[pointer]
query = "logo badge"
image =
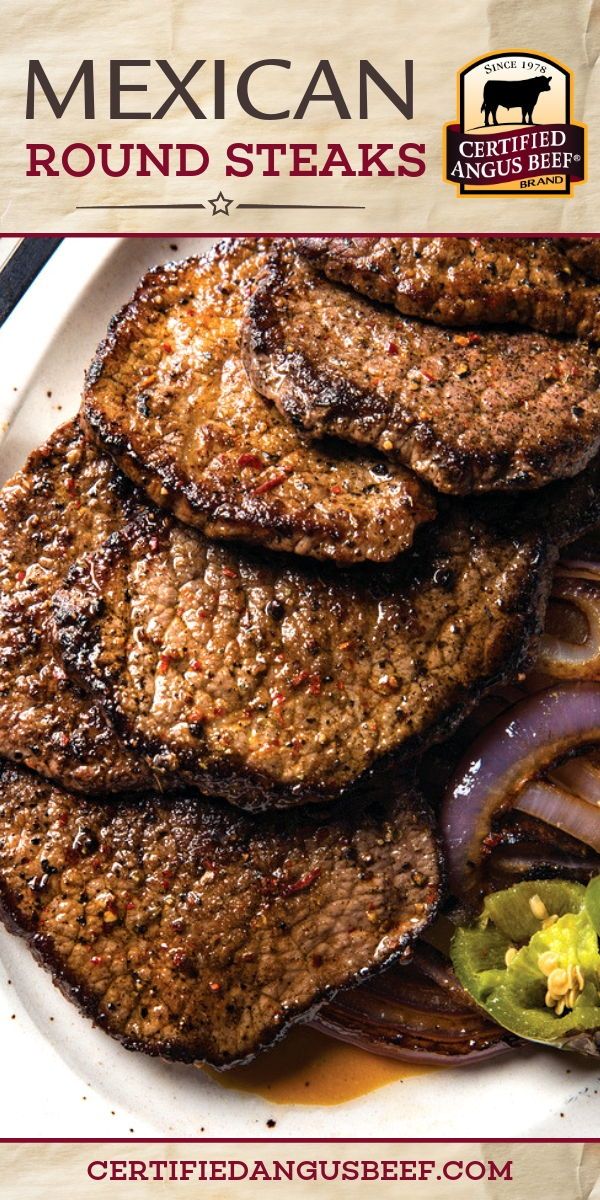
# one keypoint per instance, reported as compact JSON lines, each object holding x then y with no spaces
{"x":514,"y":134}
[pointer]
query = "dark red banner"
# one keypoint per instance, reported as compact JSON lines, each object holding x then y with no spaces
{"x":494,"y":157}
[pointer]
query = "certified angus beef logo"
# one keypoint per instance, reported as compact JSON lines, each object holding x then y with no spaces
{"x":514,"y":134}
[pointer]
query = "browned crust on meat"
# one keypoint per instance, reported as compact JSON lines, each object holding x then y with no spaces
{"x":472,"y":412}
{"x":189,"y":931}
{"x":584,"y":253}
{"x":467,"y":280}
{"x":308,"y":683}
{"x":63,"y":503}
{"x":167,"y":396}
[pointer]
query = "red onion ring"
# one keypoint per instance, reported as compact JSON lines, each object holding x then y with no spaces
{"x":511,"y":865}
{"x":566,"y":659}
{"x":532,"y":735}
{"x":415,"y":1013}
{"x":583,"y":568}
{"x":569,"y":813}
{"x":580,"y":776}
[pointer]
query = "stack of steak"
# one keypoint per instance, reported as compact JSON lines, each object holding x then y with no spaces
{"x":257,"y":576}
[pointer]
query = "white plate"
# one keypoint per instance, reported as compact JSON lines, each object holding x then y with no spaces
{"x":69,"y":1079}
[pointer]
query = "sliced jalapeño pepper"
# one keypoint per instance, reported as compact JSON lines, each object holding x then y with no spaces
{"x":532,"y":961}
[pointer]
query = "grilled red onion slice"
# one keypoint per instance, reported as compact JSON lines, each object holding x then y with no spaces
{"x":562,"y":657}
{"x":528,"y":738}
{"x":583,"y":568}
{"x":566,"y":812}
{"x":510,"y":865}
{"x":580,"y":776}
{"x":582,"y":557}
{"x":416,"y":1013}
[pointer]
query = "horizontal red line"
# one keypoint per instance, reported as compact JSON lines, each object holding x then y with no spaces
{"x":297,"y":233}
{"x":366,"y":1141}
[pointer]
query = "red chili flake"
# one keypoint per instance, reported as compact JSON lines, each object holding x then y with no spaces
{"x":336,"y":490}
{"x":96,"y":959}
{"x":70,"y":484}
{"x":250,"y":460}
{"x":166,"y":879}
{"x":269,"y":484}
{"x":492,"y":840}
{"x":63,"y":818}
{"x":197,"y":716}
{"x":392,"y":348}
{"x":130,"y":905}
{"x":219,"y":709}
{"x":229,"y":574}
{"x":278,"y":699}
{"x":474,"y":338}
{"x":179,"y":957}
{"x":20,"y":576}
{"x":303,"y":882}
{"x":203,"y":614}
{"x":164,"y":663}
{"x":314,"y":686}
{"x":195,"y":664}
{"x":214,"y":987}
{"x":168,"y":347}
{"x":301,"y":677}
{"x":341,"y":687}
{"x":428,"y":375}
{"x":63,"y":739}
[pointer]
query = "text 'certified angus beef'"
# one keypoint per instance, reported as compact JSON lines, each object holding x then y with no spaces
{"x":471,"y":411}
{"x":169,"y":398}
{"x":192,"y":931}
{"x":270,"y":682}
{"x":64,"y":502}
{"x":471,"y":280}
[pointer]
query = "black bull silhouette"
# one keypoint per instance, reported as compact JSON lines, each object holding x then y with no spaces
{"x":517,"y":93}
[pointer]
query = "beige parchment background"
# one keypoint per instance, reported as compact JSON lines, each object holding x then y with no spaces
{"x":541,"y":1171}
{"x":440,"y":36}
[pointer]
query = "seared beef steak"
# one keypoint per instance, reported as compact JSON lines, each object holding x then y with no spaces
{"x":169,"y":398}
{"x":584,"y":253}
{"x":466,"y":411}
{"x":565,"y":510}
{"x":466,"y":280}
{"x":65,"y":501}
{"x":188,"y":930}
{"x":274,"y":683}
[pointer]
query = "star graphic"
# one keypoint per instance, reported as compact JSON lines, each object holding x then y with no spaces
{"x":220,"y":205}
